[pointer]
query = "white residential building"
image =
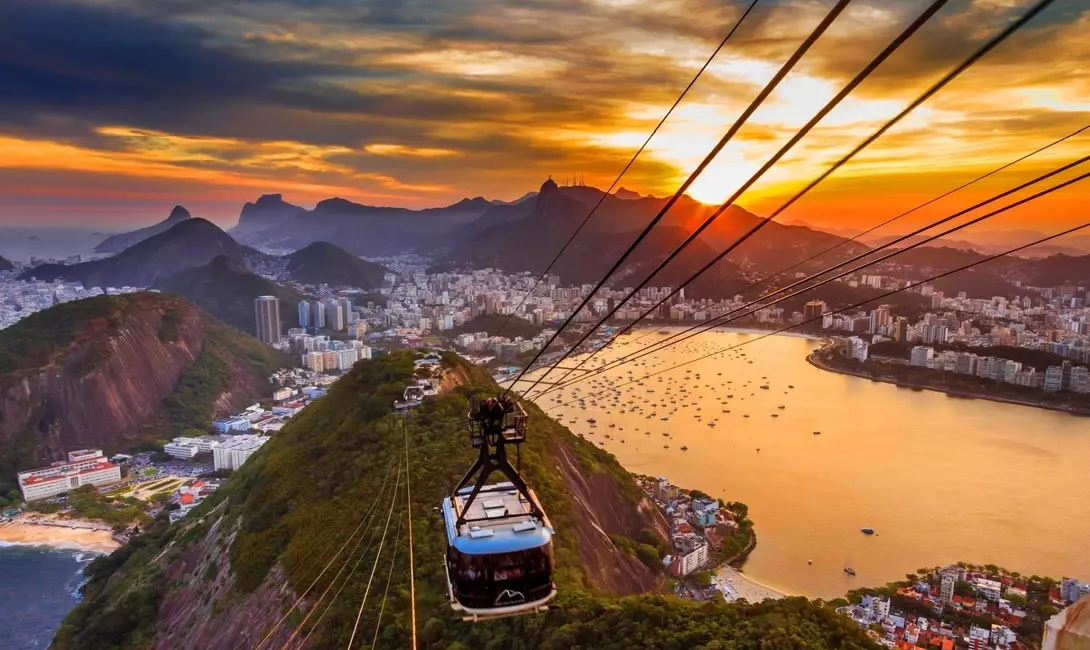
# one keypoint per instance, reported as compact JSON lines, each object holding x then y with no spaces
{"x":233,"y":453}
{"x":692,"y":558}
{"x":185,"y":448}
{"x":921,"y":355}
{"x":84,"y":467}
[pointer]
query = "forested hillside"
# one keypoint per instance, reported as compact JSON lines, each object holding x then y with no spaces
{"x":235,"y":567}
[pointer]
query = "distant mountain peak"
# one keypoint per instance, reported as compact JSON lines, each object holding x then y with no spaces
{"x":178,"y":214}
{"x":548,"y":185}
{"x":627,"y":194}
{"x":475,"y":202}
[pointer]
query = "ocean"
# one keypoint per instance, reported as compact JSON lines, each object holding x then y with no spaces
{"x":38,"y":587}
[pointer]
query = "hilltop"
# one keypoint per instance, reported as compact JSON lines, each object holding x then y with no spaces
{"x":325,"y":263}
{"x":119,"y":242}
{"x":191,"y":242}
{"x":5,"y":265}
{"x":226,"y":289}
{"x":230,"y":571}
{"x":114,"y":371}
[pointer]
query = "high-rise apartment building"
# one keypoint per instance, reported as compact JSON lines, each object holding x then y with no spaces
{"x":267,"y":314}
{"x":304,"y":313}
{"x":334,"y":316}
{"x":319,"y":315}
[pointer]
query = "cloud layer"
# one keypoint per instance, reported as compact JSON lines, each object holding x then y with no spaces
{"x":115,"y":110}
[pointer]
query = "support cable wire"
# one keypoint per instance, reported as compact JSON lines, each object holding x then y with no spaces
{"x":897,"y":252}
{"x":328,"y":564}
{"x":347,"y":577}
{"x":883,"y":224}
{"x":624,"y":171}
{"x":837,"y":9}
{"x":409,"y":508}
{"x":378,"y":556}
{"x":728,"y":316}
{"x":987,"y":47}
{"x":389,"y":578}
{"x":1011,"y":251}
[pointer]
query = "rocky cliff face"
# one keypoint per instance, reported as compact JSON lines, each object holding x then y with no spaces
{"x":106,"y":384}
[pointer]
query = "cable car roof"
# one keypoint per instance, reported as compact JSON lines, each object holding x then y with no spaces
{"x":494,"y":532}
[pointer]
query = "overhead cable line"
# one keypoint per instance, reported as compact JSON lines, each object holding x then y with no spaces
{"x":378,"y":556}
{"x":631,"y":161}
{"x":299,"y":600}
{"x":718,"y":320}
{"x":990,"y":258}
{"x":980,"y":53}
{"x":344,"y":565}
{"x":409,"y":509}
{"x":918,"y":244}
{"x":867,"y":70}
{"x":885,"y":223}
{"x":389,"y":579}
{"x":837,"y":9}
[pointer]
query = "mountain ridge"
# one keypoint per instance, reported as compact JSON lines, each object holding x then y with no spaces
{"x":190,"y":242}
{"x":241,"y":559}
{"x":119,"y":242}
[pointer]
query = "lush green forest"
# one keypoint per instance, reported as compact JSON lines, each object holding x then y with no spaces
{"x":48,"y":335}
{"x":192,"y":404}
{"x":343,"y":463}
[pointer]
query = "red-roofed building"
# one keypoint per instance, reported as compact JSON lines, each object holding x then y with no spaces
{"x":186,"y":499}
{"x":85,"y":467}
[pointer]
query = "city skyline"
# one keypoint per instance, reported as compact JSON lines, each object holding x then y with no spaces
{"x":420,"y":107}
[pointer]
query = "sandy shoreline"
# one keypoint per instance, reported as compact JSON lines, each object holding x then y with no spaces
{"x":77,"y":539}
{"x":745,"y":587}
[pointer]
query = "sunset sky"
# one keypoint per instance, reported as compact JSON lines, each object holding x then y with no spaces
{"x":112,"y":111}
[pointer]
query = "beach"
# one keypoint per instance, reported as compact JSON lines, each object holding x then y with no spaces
{"x":26,"y":533}
{"x":742,"y":586}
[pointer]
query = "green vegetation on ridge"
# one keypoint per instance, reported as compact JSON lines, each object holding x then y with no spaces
{"x":296,"y":500}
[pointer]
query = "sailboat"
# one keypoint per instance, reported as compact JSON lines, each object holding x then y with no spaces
{"x":848,"y":566}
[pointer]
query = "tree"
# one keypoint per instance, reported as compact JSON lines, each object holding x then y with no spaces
{"x":963,"y":588}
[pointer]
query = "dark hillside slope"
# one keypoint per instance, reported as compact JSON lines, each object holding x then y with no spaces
{"x":192,"y":242}
{"x":325,"y":263}
{"x":226,"y":289}
{"x":112,"y":371}
{"x":230,"y":571}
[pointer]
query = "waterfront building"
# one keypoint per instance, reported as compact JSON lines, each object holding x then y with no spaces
{"x":813,"y":310}
{"x":83,"y":467}
{"x":946,"y":592}
{"x":921,"y":355}
{"x":1070,"y":589}
{"x":857,"y":348}
{"x":692,"y":554}
{"x":1053,"y":379}
{"x":267,"y":314}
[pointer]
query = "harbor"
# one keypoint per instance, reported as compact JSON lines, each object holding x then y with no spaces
{"x":931,"y":464}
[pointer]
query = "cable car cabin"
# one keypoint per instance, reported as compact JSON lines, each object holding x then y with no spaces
{"x":500,"y":561}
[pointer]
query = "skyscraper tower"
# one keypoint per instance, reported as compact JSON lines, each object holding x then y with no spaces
{"x":267,"y":314}
{"x":319,"y":315}
{"x":334,"y":315}
{"x":304,"y":313}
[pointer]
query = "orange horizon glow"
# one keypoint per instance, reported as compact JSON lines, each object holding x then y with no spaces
{"x":466,"y":116}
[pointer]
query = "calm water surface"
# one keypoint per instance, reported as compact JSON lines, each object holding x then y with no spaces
{"x":939,"y":478}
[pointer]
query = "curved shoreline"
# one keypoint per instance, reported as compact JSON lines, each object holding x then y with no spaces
{"x":828,"y":343}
